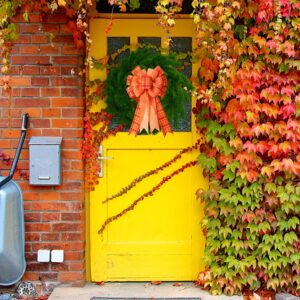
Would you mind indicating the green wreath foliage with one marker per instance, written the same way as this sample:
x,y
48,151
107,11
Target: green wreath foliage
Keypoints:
x,y
123,108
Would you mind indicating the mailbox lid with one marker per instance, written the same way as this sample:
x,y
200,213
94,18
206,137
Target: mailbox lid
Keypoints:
x,y
45,140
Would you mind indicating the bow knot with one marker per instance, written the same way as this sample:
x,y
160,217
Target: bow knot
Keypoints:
x,y
147,87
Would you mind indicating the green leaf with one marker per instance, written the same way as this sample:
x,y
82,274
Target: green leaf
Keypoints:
x,y
228,175
293,222
134,4
270,187
290,237
207,163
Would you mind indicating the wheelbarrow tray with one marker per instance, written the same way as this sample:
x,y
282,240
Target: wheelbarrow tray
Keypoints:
x,y
12,240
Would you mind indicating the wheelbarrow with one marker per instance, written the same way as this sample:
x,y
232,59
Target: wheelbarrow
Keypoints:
x,y
12,240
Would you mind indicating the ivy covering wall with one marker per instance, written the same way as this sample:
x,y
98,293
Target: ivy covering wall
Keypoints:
x,y
248,111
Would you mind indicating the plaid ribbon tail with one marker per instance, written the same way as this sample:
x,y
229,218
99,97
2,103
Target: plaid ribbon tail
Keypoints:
x,y
137,119
162,118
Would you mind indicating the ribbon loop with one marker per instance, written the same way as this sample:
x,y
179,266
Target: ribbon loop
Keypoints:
x,y
147,87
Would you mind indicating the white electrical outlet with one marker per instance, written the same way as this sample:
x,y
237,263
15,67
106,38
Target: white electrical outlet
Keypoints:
x,y
57,256
43,255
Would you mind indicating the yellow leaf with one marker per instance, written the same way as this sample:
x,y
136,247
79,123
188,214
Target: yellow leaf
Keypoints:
x,y
61,2
123,8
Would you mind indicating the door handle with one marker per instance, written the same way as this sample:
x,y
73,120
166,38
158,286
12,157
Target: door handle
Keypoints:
x,y
101,159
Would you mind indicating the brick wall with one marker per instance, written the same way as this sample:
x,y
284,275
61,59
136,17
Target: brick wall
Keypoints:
x,y
45,84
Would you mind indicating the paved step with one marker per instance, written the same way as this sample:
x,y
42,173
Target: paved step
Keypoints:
x,y
133,290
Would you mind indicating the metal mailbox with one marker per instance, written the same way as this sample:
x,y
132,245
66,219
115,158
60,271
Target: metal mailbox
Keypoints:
x,y
45,160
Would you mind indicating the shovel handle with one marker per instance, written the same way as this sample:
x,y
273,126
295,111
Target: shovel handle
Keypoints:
x,y
24,122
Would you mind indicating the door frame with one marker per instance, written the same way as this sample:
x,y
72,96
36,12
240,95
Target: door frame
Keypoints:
x,y
116,16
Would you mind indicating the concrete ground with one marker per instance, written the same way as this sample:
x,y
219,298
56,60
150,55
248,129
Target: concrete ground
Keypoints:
x,y
134,290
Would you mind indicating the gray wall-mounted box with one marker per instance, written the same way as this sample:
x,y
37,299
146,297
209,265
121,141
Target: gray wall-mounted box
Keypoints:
x,y
45,160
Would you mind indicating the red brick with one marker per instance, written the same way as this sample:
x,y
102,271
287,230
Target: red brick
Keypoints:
x,y
5,144
15,50
37,266
49,276
72,154
71,92
50,237
52,112
32,227
50,216
31,256
74,255
35,17
70,49
66,70
51,195
23,102
40,123
73,175
74,216
30,28
72,133
51,132
15,70
30,92
77,266
30,60
29,50
40,39
67,102
74,112
50,92
66,60
30,70
49,206
32,217
50,70
70,196
10,133
50,27
52,49
34,112
59,267
20,81
63,227
72,144
51,245
23,39
32,237
56,18
63,39
66,81
78,246
71,236
67,123
40,81
30,276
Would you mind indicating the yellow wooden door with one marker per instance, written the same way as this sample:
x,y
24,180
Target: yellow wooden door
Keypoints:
x,y
161,238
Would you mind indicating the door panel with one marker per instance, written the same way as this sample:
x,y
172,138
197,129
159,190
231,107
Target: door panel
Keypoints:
x,y
160,239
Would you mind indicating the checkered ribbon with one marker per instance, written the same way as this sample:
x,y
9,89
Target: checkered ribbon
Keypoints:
x,y
147,87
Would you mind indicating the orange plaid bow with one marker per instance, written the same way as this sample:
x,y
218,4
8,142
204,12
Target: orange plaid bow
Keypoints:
x,y
147,87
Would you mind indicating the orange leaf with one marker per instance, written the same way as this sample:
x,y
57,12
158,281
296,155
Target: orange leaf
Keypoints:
x,y
177,284
155,282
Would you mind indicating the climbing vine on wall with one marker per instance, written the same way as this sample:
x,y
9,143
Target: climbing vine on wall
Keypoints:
x,y
248,110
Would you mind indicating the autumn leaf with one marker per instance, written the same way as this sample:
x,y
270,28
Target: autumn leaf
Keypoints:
x,y
61,2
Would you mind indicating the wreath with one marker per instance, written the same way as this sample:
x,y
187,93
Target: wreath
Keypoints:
x,y
121,105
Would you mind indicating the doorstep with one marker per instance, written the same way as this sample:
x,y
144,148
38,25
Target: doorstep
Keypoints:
x,y
136,291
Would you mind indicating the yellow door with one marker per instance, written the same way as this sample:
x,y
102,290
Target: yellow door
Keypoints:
x,y
161,238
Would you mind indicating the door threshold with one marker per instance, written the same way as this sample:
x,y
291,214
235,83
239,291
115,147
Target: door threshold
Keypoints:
x,y
136,291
